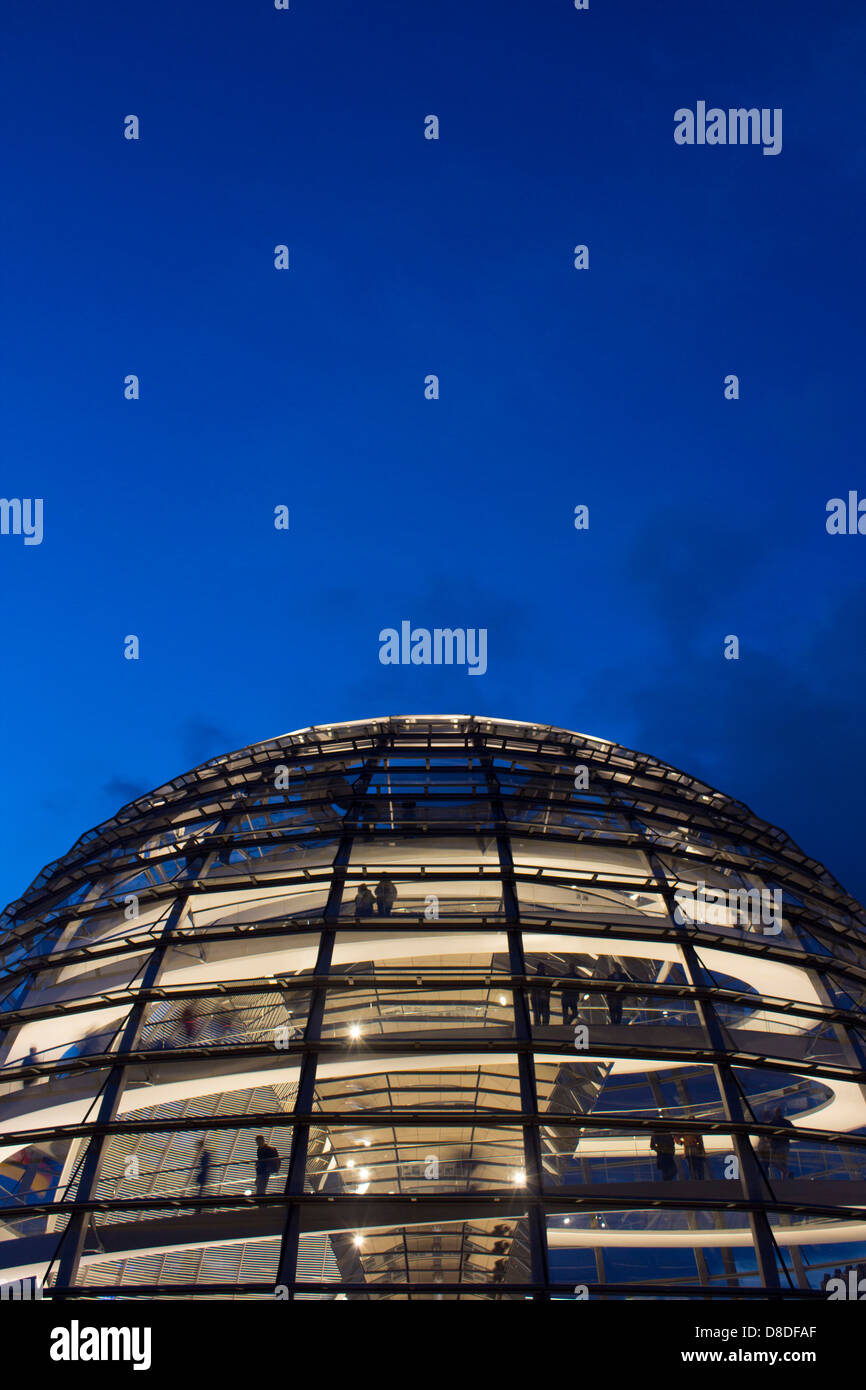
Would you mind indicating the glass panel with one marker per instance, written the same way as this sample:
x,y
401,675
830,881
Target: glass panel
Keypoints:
x,y
419,1160
576,1156
356,1082
448,1253
229,1019
381,1010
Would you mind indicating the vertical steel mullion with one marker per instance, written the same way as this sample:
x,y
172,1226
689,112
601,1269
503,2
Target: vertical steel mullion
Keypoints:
x,y
71,1244
297,1168
523,1034
753,1181
682,1090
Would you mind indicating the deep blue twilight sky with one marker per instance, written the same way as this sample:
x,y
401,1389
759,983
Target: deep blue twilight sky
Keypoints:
x,y
305,387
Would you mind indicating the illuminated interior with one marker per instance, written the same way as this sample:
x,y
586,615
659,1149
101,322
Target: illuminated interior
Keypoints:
x,y
521,1012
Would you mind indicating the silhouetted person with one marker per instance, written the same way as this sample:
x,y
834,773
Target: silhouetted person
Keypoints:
x,y
30,1061
665,1151
223,1024
202,1167
539,997
267,1162
364,902
386,895
189,1023
694,1154
571,995
614,1001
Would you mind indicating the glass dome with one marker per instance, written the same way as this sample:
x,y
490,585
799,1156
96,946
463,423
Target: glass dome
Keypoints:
x,y
432,1007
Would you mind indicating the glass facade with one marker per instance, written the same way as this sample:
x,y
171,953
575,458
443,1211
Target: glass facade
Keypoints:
x,y
433,1007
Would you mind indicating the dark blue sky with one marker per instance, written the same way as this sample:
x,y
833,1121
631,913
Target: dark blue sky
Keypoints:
x,y
305,387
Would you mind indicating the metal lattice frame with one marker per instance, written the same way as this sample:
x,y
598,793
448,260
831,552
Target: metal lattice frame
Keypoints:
x,y
151,926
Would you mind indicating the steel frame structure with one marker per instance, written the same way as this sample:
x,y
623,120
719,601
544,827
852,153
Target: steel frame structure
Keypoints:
x,y
197,969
